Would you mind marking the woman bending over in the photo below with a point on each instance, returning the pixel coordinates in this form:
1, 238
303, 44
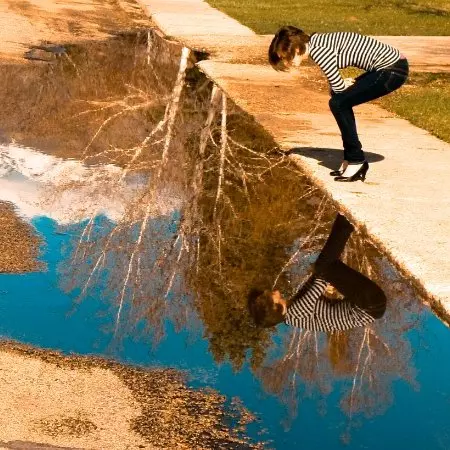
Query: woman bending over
386, 70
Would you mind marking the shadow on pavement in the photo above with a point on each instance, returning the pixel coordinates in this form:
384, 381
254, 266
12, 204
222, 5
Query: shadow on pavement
329, 157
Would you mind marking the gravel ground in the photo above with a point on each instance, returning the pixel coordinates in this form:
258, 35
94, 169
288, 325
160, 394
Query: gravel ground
92, 403
18, 241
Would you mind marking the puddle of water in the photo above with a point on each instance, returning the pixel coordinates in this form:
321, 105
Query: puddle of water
151, 252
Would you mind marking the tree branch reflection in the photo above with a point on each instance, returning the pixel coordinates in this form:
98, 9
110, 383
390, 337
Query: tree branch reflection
217, 209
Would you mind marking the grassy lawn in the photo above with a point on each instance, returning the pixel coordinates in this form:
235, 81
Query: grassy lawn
376, 17
425, 102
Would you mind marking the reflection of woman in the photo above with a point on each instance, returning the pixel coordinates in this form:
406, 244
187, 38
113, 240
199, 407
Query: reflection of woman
363, 301
386, 70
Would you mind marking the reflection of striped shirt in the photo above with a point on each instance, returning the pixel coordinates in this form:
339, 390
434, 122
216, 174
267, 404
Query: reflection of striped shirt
333, 51
311, 311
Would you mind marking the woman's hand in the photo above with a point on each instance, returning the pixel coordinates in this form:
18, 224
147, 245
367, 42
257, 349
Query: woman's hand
348, 82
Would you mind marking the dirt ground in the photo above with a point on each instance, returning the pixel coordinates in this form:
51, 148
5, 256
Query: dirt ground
27, 23
48, 400
19, 243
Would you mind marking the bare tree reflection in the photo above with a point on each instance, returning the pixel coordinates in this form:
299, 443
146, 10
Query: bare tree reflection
216, 211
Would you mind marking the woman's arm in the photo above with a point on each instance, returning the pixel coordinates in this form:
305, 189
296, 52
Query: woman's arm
303, 303
309, 304
327, 61
342, 314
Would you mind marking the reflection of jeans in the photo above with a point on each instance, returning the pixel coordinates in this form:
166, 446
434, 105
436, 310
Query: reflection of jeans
354, 286
368, 86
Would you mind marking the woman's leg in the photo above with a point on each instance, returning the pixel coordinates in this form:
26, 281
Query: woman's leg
356, 288
367, 87
345, 119
348, 145
335, 244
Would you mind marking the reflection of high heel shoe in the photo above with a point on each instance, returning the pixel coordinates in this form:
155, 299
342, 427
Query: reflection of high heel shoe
341, 170
360, 173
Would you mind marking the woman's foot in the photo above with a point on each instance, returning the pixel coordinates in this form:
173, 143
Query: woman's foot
354, 172
340, 171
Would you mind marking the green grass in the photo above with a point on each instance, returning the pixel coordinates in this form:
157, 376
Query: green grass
425, 102
376, 17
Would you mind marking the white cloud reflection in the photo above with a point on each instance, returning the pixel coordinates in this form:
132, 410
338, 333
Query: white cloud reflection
69, 191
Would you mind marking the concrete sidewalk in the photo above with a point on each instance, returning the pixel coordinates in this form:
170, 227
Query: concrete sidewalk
201, 27
425, 53
404, 206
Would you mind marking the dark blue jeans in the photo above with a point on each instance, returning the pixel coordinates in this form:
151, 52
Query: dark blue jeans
368, 86
353, 285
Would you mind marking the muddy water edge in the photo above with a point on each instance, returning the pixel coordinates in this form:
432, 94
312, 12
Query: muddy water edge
245, 217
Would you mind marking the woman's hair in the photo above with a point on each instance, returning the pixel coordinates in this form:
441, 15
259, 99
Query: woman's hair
264, 311
284, 45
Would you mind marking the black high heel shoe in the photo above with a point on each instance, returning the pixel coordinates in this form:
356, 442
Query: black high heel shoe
359, 175
340, 171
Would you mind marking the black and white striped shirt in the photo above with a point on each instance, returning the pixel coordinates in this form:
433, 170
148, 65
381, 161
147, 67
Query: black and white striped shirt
334, 51
311, 311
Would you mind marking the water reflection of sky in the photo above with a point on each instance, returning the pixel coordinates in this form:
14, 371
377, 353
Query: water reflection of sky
34, 310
